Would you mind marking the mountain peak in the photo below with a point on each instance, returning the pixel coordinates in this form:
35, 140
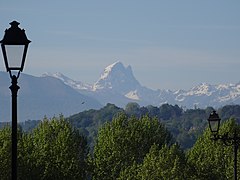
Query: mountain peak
117, 76
109, 69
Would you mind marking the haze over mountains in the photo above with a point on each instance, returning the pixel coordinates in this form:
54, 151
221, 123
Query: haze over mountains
52, 94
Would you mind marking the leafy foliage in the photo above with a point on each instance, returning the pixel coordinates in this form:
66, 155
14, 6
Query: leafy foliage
5, 153
58, 148
54, 150
165, 163
185, 125
230, 111
125, 141
88, 122
134, 143
214, 160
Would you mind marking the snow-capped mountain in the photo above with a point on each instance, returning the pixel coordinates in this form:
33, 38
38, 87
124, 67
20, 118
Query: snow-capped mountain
210, 95
118, 85
118, 78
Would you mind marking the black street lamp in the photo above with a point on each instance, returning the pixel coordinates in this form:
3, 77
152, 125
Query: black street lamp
14, 48
214, 124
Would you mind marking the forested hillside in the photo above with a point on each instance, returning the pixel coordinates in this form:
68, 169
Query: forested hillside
185, 125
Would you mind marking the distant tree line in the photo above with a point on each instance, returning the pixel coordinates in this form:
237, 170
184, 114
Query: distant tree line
185, 125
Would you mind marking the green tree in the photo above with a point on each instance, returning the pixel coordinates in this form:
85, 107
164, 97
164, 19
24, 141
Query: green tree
230, 111
133, 109
153, 111
58, 150
213, 160
125, 141
166, 163
53, 150
169, 111
5, 153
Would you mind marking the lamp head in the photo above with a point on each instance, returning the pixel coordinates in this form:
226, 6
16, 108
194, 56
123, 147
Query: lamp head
214, 122
14, 47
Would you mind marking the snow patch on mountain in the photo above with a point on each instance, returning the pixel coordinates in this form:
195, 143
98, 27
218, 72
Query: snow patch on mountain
202, 89
109, 69
74, 84
132, 95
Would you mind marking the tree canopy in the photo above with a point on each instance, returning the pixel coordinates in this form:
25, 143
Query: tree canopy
53, 150
214, 160
127, 146
125, 141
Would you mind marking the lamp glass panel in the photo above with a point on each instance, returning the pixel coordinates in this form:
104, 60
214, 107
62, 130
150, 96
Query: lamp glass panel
214, 126
14, 55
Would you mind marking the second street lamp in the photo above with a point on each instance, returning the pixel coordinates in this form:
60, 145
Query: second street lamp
14, 48
214, 122
228, 140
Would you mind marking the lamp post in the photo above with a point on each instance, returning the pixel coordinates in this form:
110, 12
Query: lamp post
14, 48
234, 140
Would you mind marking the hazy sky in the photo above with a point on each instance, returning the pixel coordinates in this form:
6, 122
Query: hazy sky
171, 44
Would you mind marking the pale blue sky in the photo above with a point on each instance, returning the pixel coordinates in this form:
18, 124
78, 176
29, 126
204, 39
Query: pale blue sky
171, 44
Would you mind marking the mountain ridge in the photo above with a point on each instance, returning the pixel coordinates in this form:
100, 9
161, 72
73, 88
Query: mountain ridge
118, 85
54, 93
42, 96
